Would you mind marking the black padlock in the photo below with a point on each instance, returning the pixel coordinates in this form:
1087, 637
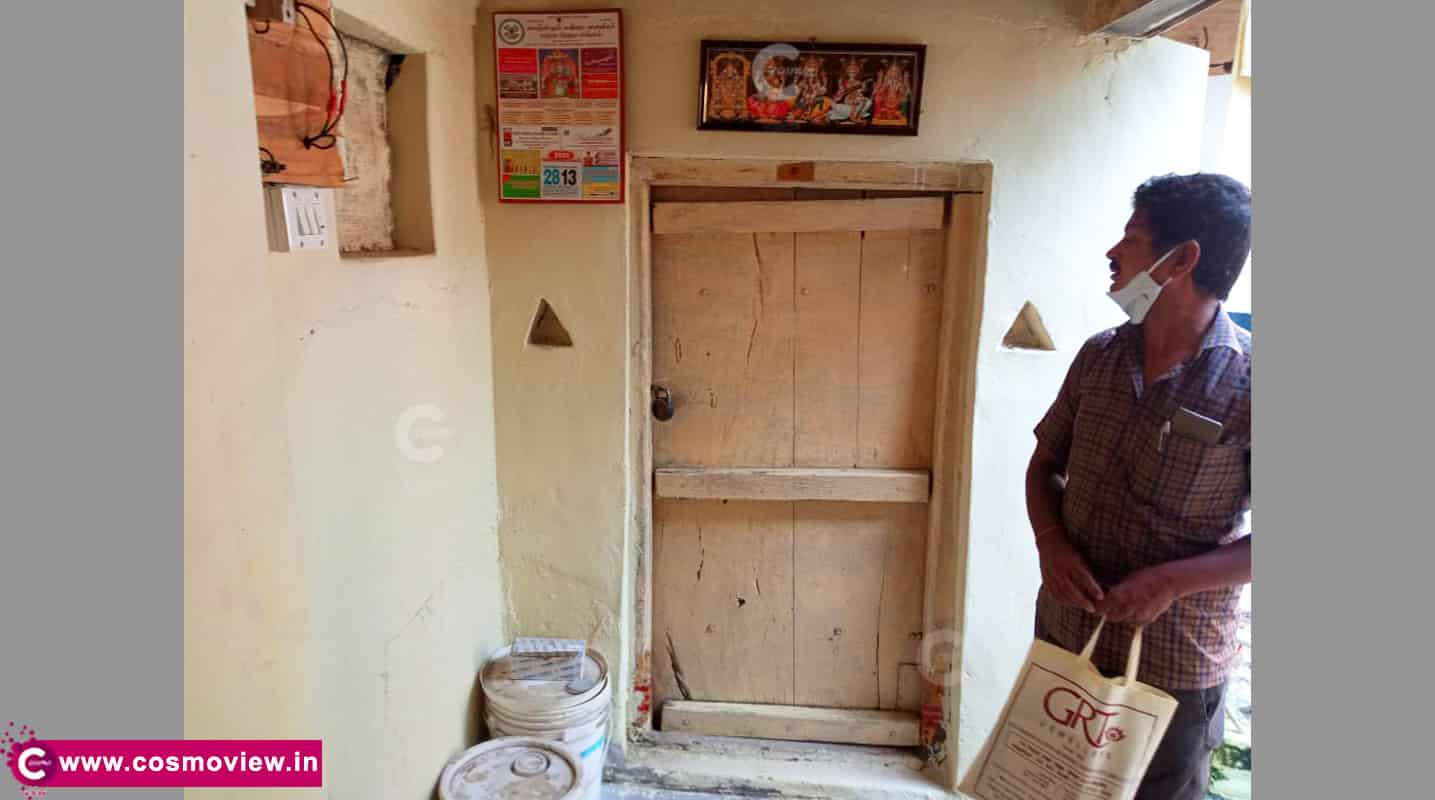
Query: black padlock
662, 404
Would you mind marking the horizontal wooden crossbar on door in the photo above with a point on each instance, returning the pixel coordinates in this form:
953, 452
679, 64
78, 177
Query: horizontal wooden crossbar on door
800, 216
769, 483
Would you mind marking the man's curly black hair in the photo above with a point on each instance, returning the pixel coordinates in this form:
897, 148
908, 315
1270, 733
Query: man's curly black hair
1213, 209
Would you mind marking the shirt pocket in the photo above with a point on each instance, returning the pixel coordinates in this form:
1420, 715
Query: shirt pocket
1195, 483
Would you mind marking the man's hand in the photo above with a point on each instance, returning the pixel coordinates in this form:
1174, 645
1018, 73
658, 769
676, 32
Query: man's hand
1141, 598
1065, 574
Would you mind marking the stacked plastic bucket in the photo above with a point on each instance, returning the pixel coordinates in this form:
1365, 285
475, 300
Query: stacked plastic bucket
573, 713
514, 768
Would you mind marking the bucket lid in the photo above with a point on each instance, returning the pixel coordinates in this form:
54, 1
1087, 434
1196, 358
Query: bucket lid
513, 768
501, 689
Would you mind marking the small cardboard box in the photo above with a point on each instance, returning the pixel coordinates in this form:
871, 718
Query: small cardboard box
538, 659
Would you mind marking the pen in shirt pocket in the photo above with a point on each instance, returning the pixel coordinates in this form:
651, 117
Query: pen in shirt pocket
1165, 432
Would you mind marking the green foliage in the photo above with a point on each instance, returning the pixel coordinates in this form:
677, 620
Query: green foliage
1230, 773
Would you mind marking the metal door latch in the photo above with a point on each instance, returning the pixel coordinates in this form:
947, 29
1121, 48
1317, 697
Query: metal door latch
662, 404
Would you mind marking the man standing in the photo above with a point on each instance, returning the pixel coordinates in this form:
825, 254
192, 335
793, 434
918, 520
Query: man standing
1141, 473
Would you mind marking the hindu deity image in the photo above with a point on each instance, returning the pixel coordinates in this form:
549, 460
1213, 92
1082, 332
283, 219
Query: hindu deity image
812, 103
728, 76
782, 87
893, 92
852, 104
520, 162
559, 74
773, 102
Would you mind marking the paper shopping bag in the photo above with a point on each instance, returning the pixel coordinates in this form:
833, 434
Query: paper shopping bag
1068, 733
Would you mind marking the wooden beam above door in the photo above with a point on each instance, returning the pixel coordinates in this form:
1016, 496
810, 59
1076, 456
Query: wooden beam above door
1217, 30
800, 216
792, 723
853, 485
1140, 18
928, 176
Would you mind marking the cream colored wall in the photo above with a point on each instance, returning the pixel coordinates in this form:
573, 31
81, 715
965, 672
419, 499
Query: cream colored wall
1227, 142
1226, 148
1071, 127
246, 627
341, 581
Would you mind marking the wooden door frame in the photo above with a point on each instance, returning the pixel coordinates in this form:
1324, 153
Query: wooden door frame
968, 187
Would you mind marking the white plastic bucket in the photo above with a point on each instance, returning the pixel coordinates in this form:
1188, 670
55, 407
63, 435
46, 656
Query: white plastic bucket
514, 768
574, 713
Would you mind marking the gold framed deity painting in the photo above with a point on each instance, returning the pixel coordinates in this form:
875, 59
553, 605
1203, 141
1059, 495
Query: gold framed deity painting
806, 87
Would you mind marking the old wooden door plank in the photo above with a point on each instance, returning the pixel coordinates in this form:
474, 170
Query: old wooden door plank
900, 316
899, 636
799, 216
723, 347
722, 612
796, 483
827, 376
840, 550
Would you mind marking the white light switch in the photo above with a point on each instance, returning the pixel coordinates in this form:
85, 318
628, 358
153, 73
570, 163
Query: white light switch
298, 218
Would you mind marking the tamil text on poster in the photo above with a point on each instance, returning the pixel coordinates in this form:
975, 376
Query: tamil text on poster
560, 106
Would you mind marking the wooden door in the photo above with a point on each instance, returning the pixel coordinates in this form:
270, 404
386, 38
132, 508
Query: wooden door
796, 332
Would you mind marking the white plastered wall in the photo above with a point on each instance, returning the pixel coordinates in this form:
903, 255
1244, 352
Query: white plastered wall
342, 576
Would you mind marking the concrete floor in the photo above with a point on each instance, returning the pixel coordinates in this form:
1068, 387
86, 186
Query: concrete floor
643, 793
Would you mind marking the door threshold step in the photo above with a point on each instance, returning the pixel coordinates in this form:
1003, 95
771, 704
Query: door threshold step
661, 762
793, 723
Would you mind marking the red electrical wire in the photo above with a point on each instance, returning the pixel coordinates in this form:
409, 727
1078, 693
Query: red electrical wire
334, 109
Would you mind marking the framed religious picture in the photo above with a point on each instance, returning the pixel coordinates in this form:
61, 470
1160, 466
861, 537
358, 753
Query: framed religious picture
806, 87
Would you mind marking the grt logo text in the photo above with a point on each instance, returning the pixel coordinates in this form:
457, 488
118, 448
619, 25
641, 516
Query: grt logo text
1070, 710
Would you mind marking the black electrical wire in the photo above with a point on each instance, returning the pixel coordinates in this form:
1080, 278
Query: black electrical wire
343, 80
326, 133
268, 164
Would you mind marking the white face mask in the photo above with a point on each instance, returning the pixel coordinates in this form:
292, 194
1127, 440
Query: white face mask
1138, 295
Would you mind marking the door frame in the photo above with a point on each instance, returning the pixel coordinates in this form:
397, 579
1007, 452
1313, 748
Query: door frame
967, 185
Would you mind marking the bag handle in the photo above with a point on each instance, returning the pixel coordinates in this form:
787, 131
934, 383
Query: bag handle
1133, 657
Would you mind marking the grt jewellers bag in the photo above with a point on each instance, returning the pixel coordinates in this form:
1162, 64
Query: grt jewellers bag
1068, 733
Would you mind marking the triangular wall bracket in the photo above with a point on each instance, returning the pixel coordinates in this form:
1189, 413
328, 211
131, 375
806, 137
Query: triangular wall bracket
1028, 332
547, 330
